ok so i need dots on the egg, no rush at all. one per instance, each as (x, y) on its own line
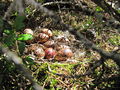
(42, 38)
(28, 31)
(63, 54)
(50, 53)
(59, 47)
(47, 31)
(49, 43)
(39, 52)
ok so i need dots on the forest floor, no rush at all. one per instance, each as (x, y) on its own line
(69, 74)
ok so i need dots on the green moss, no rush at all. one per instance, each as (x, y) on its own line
(114, 40)
(57, 32)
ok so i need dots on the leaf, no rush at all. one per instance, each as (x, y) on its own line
(41, 1)
(28, 10)
(21, 47)
(118, 10)
(10, 39)
(58, 88)
(115, 40)
(1, 26)
(8, 32)
(29, 60)
(18, 24)
(25, 37)
(98, 9)
(53, 82)
(1, 23)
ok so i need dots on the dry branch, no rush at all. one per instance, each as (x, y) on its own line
(108, 8)
(18, 62)
(16, 5)
(56, 2)
(79, 36)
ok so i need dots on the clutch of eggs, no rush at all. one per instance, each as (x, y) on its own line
(46, 50)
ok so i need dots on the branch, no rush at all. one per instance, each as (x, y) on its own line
(10, 9)
(16, 5)
(55, 3)
(108, 8)
(18, 62)
(115, 78)
(88, 11)
(84, 8)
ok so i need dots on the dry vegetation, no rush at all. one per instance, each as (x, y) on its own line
(62, 75)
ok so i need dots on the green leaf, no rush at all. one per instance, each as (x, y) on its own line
(118, 11)
(25, 37)
(40, 1)
(58, 88)
(28, 60)
(8, 32)
(98, 9)
(115, 40)
(15, 14)
(54, 82)
(10, 39)
(19, 22)
(21, 47)
(1, 23)
(28, 10)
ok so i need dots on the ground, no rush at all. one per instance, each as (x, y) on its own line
(59, 75)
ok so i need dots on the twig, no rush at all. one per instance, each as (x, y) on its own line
(10, 9)
(108, 8)
(110, 22)
(107, 79)
(18, 62)
(95, 65)
(16, 5)
(87, 10)
(55, 3)
(90, 71)
(99, 77)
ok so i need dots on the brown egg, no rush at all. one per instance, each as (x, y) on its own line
(62, 39)
(46, 31)
(64, 54)
(59, 47)
(35, 49)
(28, 31)
(49, 43)
(50, 53)
(39, 52)
(42, 37)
